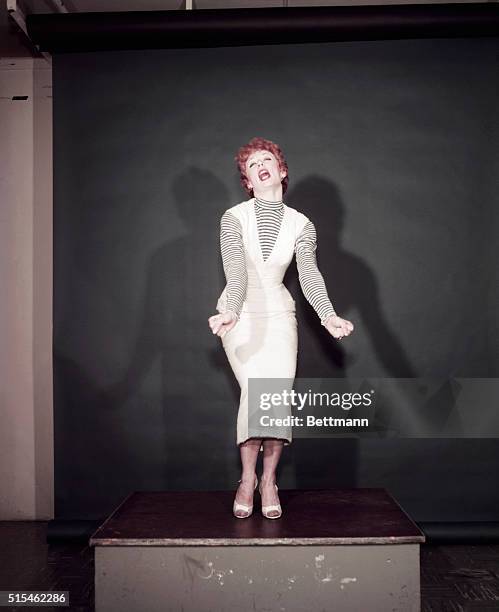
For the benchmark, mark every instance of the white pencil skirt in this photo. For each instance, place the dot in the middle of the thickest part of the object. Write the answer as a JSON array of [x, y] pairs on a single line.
[[262, 345]]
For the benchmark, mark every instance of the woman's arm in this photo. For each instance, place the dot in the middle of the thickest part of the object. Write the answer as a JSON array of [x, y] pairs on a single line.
[[234, 262], [311, 280]]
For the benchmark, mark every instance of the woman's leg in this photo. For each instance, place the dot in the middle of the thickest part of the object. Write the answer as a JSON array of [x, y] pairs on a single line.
[[272, 450], [249, 455]]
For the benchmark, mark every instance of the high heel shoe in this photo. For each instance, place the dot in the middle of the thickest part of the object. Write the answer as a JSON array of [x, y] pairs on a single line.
[[271, 508], [238, 507]]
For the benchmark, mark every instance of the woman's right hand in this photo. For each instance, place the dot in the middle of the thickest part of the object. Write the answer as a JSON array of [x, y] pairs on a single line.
[[220, 324]]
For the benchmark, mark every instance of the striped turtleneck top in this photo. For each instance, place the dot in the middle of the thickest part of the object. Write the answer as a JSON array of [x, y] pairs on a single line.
[[269, 216]]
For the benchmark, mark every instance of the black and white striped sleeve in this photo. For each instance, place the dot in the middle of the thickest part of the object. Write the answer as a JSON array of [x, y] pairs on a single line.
[[234, 262], [311, 279]]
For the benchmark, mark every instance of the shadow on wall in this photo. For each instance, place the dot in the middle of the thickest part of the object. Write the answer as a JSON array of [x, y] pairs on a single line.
[[353, 289], [182, 286]]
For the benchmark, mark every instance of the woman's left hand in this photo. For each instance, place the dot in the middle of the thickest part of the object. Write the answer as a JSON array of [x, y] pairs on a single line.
[[338, 327], [220, 324]]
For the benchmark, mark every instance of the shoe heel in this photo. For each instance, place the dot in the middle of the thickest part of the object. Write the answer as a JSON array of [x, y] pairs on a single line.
[[272, 508], [243, 507]]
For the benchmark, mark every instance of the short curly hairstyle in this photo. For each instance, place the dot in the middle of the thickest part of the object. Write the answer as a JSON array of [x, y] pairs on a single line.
[[260, 144]]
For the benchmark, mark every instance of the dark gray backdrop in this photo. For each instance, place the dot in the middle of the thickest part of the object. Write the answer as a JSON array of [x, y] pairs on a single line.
[[392, 149]]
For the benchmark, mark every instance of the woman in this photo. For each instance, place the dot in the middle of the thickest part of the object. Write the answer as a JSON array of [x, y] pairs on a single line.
[[256, 319]]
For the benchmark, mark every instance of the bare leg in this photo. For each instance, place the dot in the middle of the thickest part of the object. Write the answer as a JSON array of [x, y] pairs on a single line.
[[249, 455], [272, 450]]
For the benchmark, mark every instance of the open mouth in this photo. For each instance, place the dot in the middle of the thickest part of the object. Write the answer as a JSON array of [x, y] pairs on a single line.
[[263, 175]]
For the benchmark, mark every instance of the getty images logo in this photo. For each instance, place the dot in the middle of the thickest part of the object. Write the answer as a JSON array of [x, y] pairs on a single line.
[[310, 398]]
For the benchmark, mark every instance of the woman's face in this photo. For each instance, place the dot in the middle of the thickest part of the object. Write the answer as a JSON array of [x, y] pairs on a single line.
[[262, 170]]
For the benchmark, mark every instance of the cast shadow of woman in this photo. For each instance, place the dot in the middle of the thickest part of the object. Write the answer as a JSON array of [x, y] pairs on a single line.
[[323, 462], [174, 357]]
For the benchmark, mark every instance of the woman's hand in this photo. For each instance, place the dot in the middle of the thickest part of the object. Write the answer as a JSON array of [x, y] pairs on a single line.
[[220, 324], [338, 327]]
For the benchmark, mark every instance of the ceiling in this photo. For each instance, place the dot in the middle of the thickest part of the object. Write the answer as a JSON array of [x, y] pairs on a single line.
[[14, 43]]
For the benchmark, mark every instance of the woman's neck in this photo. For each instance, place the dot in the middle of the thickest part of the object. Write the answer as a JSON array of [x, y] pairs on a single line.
[[273, 193]]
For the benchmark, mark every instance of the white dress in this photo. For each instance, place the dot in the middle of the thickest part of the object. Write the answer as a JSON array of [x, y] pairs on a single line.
[[264, 342]]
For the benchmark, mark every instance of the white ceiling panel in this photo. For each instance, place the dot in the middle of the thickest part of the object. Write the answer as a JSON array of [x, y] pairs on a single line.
[[101, 6], [234, 4], [377, 2]]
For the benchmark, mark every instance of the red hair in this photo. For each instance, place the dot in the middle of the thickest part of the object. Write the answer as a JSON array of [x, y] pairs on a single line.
[[260, 144]]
